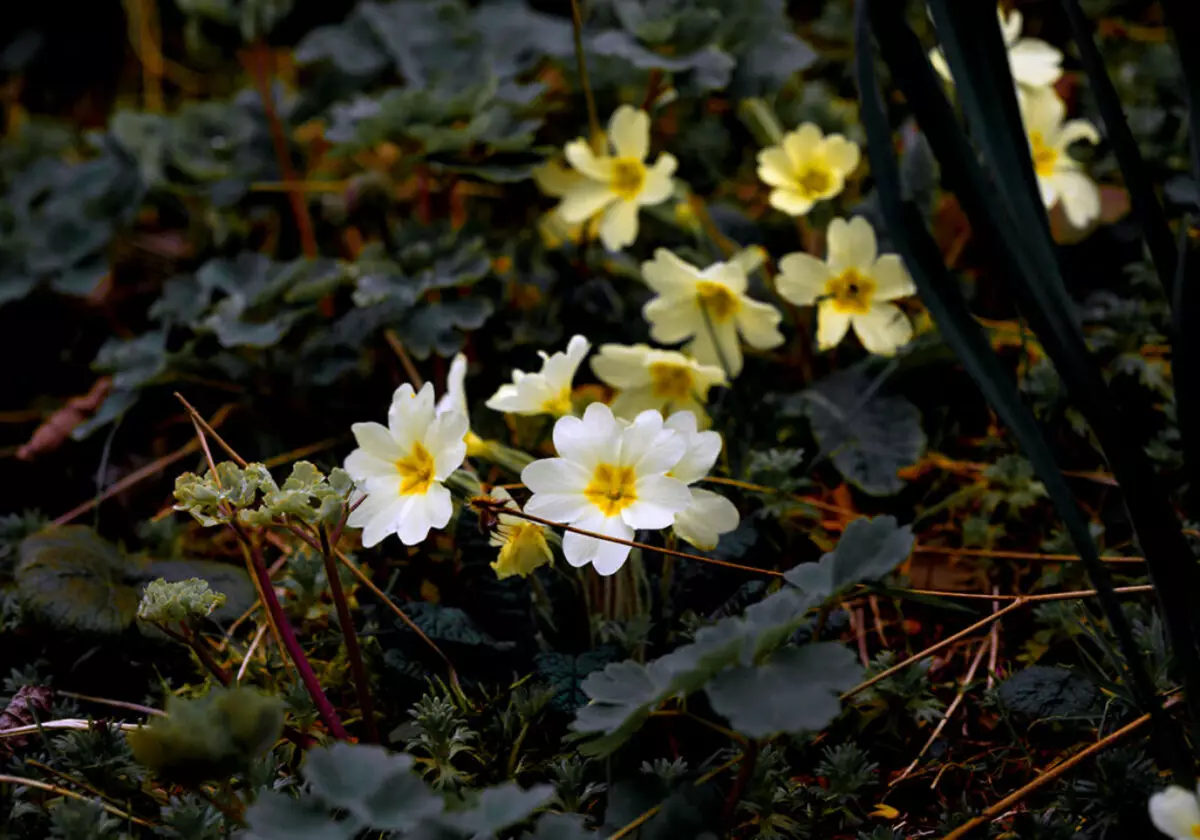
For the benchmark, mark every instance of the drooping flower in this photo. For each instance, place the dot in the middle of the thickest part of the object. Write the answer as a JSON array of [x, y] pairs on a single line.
[[522, 543], [647, 378], [710, 514], [1033, 62], [547, 391], [616, 184], [1176, 812], [851, 288], [609, 478], [401, 468], [455, 399], [710, 307], [1060, 177], [806, 167]]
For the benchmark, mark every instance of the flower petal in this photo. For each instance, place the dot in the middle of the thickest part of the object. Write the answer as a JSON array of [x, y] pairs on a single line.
[[659, 498], [673, 320], [1035, 63], [622, 366], [802, 278], [376, 440], [555, 475], [363, 465], [670, 276], [842, 154], [707, 517], [649, 447], [775, 167], [629, 132], [588, 440], [1080, 197], [619, 226], [1175, 812], [584, 200], [891, 278], [580, 155], [658, 185], [456, 392], [883, 330], [1076, 130], [831, 326], [758, 323], [801, 144], [718, 345], [410, 414], [445, 442], [605, 556], [789, 201], [851, 244], [415, 520]]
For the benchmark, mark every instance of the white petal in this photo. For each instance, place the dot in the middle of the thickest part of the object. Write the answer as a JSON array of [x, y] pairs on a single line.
[[1042, 111], [672, 320], [883, 330], [802, 278], [410, 414], [758, 323], [891, 278], [669, 275], [1175, 812], [683, 422], [1010, 25], [445, 442], [707, 517], [659, 498], [456, 392], [588, 441], [648, 447], [718, 345], [363, 465], [658, 186], [831, 326], [606, 556], [939, 64], [629, 131], [1035, 63], [554, 179], [790, 202], [555, 475], [1048, 190], [580, 155], [559, 507], [585, 200], [559, 370], [851, 244], [631, 402], [1080, 198], [1074, 131], [438, 505], [619, 225], [703, 449], [415, 521], [376, 440], [622, 366]]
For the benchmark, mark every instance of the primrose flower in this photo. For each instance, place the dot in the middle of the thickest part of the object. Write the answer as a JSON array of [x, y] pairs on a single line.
[[401, 467], [710, 307], [555, 179], [545, 392], [851, 288], [660, 379], [1033, 62], [1060, 178], [615, 186], [455, 399], [806, 167], [710, 514], [522, 543], [610, 478], [1176, 813]]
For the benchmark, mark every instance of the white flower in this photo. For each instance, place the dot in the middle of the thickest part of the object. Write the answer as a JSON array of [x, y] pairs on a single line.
[[522, 543], [710, 514], [1176, 813], [851, 288], [1033, 62], [660, 379], [806, 167], [455, 398], [614, 186], [545, 392], [609, 478], [710, 307], [1060, 178], [401, 468]]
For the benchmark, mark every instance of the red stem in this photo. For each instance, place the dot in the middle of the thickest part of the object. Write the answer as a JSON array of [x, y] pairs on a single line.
[[287, 636], [351, 638]]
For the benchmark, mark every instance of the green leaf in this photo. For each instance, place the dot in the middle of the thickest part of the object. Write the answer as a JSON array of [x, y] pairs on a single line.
[[377, 787], [566, 672], [795, 690], [277, 816], [497, 808], [448, 624], [231, 582], [186, 601], [1043, 691], [871, 435], [559, 827], [73, 579], [869, 550]]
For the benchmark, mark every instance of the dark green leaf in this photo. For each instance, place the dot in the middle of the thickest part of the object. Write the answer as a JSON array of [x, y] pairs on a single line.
[[276, 816], [1041, 691], [868, 551], [566, 672], [449, 624], [497, 808], [377, 787]]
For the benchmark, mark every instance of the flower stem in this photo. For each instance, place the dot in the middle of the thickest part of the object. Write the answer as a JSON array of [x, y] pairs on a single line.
[[593, 115], [353, 651], [287, 637]]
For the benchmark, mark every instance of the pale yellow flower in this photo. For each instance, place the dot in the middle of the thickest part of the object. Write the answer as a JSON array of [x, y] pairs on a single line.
[[549, 390], [556, 179], [1060, 177], [613, 185], [522, 543], [1033, 62], [851, 287], [648, 378], [710, 307], [806, 167]]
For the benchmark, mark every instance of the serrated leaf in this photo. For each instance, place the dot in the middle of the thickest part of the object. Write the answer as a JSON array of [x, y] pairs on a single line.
[[871, 435], [869, 550], [439, 327], [376, 786], [1043, 691], [276, 816], [497, 808], [449, 624], [566, 672], [230, 581], [795, 690]]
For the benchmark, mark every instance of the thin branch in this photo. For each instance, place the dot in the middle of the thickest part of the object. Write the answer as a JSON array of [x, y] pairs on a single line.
[[116, 812], [262, 629], [119, 704], [200, 421], [406, 361]]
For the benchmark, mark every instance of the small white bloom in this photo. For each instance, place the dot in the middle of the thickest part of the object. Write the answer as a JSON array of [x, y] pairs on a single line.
[[851, 288], [1060, 177], [1033, 62], [613, 186], [455, 398], [647, 378], [806, 167], [522, 543], [401, 468], [609, 478], [1176, 813], [710, 514], [545, 392], [710, 307]]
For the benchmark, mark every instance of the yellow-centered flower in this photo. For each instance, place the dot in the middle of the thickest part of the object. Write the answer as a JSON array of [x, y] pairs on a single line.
[[806, 167], [1061, 179], [1033, 63], [522, 543], [547, 391], [1176, 812], [647, 378], [852, 287]]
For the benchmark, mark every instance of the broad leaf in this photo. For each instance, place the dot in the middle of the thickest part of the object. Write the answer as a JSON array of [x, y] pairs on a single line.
[[869, 550], [276, 816], [497, 808], [1043, 691], [377, 787]]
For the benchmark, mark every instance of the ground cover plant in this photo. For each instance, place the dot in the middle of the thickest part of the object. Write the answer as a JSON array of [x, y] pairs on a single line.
[[556, 420]]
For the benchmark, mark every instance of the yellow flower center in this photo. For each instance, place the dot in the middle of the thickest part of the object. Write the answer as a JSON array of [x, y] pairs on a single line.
[[718, 301], [851, 292], [628, 176], [612, 488], [559, 405], [1196, 830], [1044, 159], [815, 181], [670, 381], [416, 471]]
